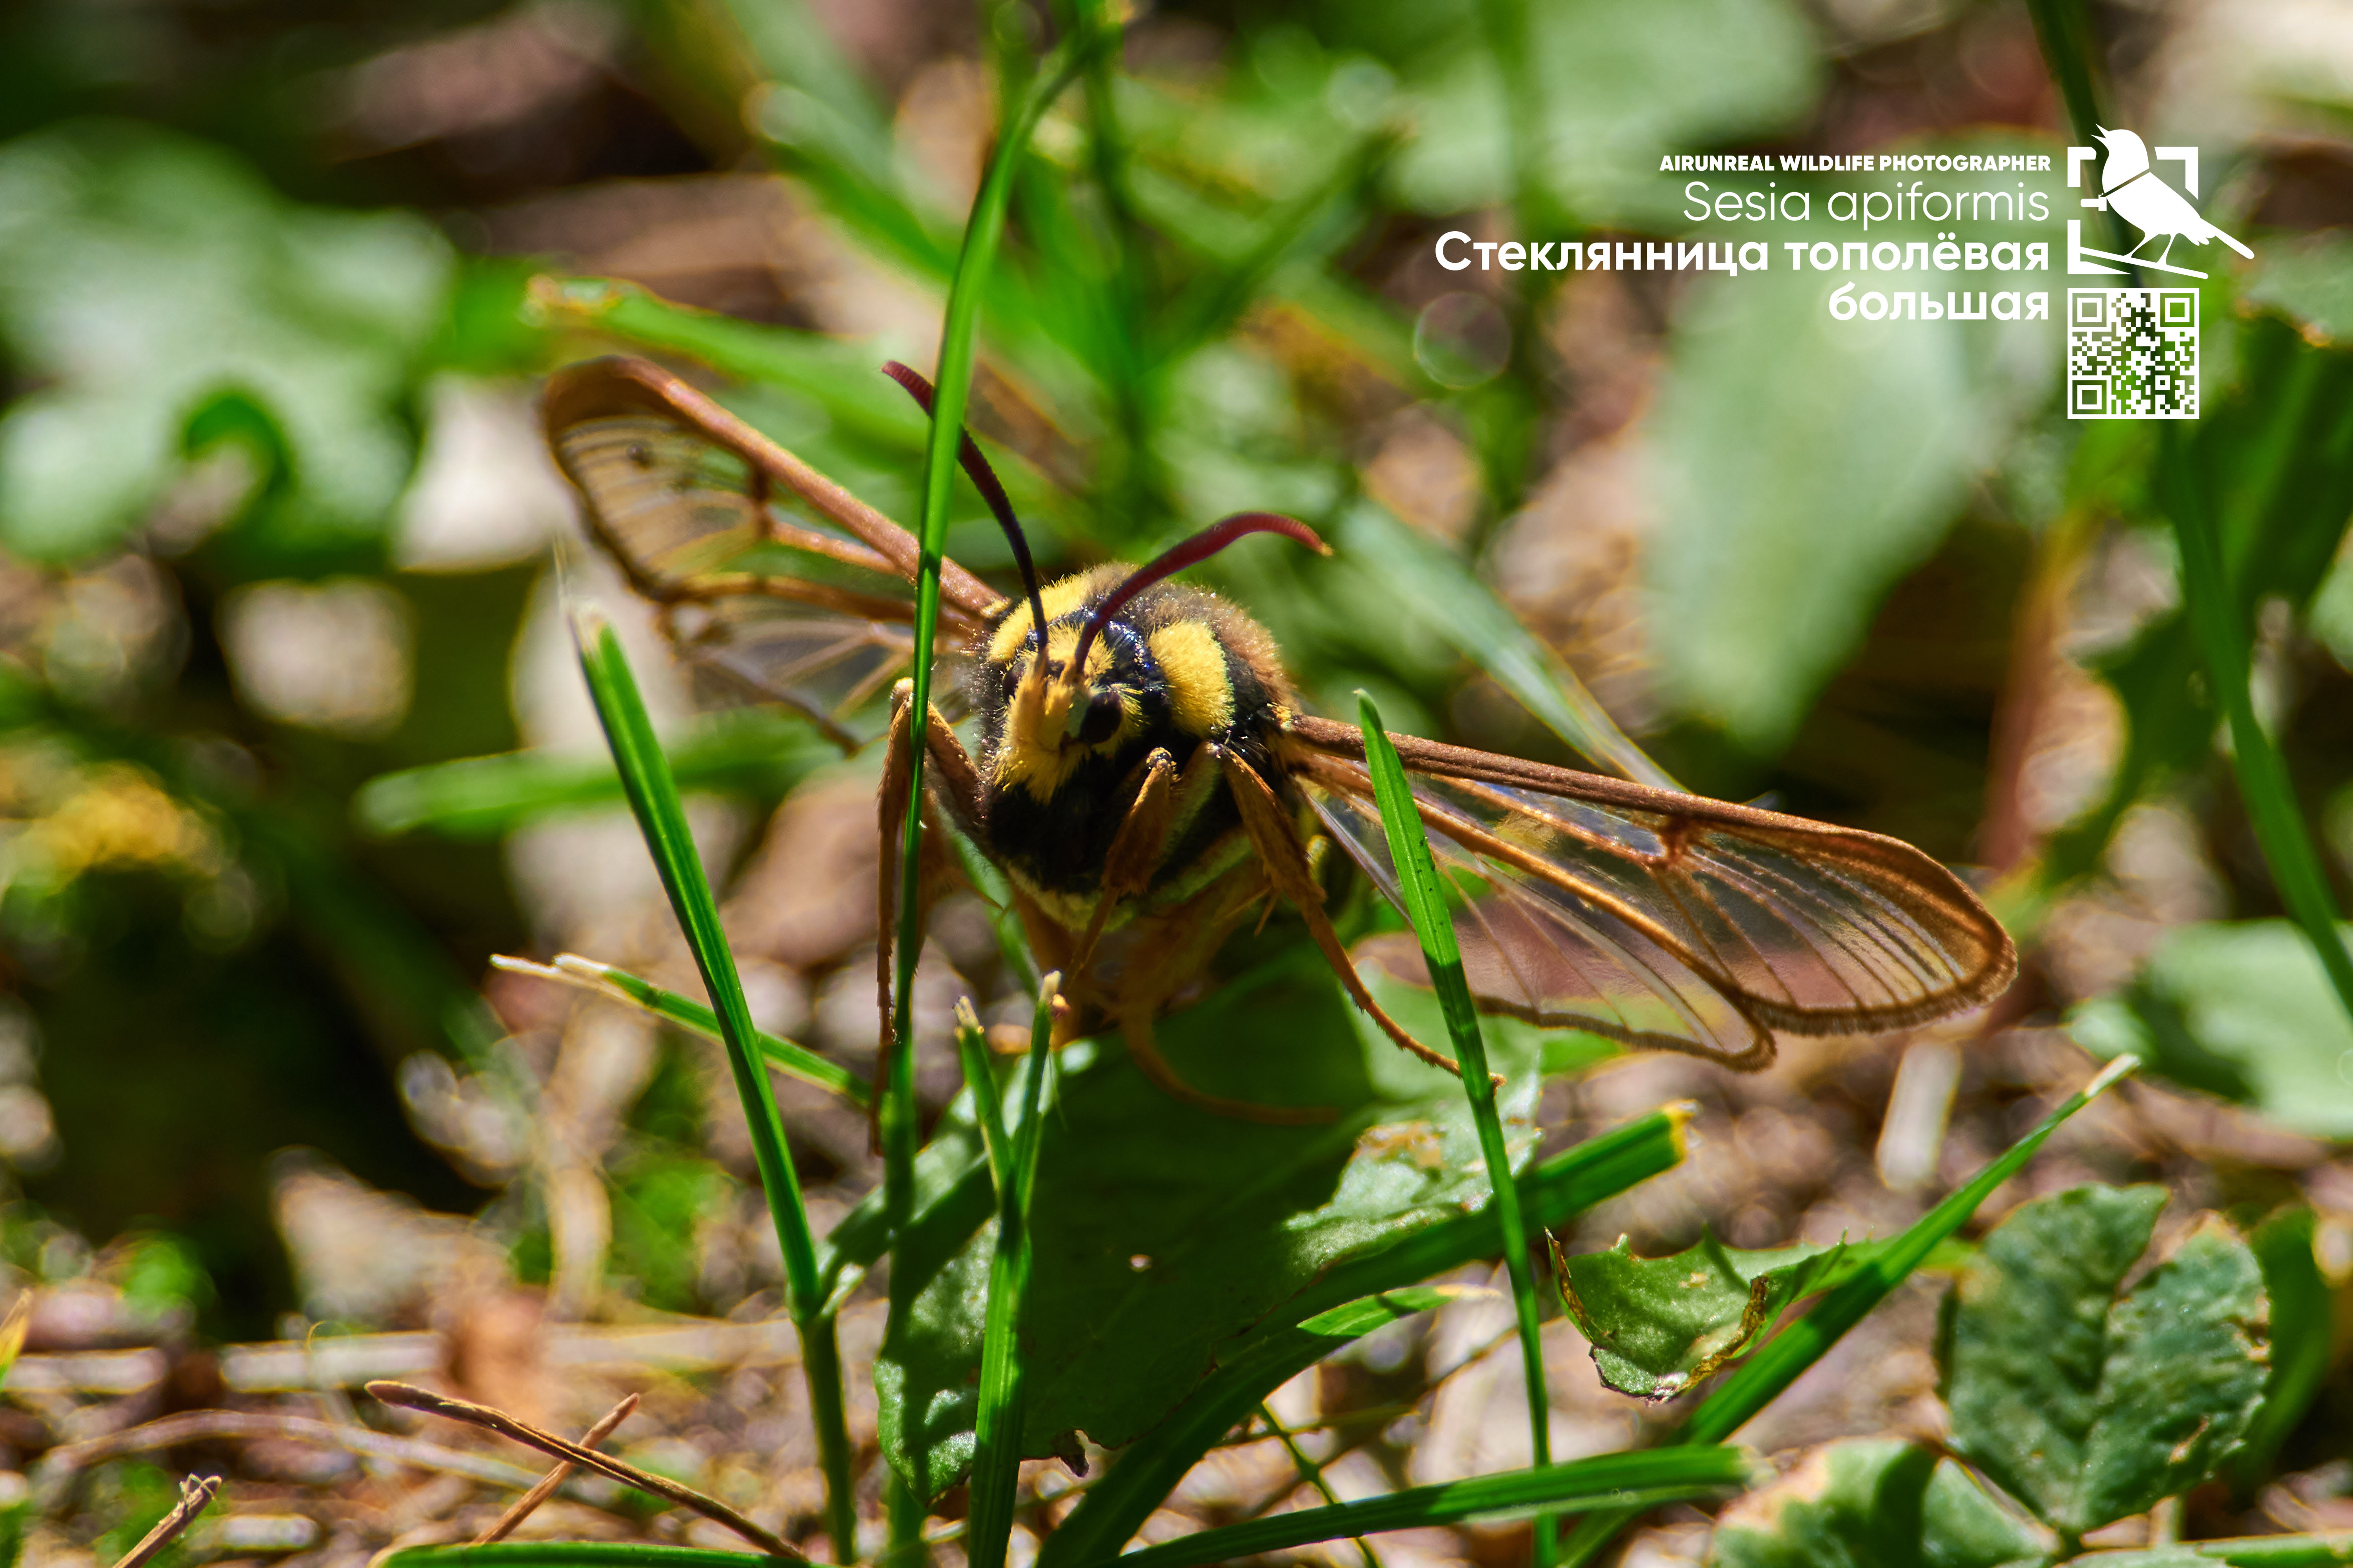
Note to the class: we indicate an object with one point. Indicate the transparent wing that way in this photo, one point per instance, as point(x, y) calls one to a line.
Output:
point(1666, 919)
point(826, 663)
point(813, 611)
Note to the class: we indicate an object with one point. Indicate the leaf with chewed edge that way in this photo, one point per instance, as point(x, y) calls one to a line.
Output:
point(1875, 1503)
point(2087, 1402)
point(1658, 1325)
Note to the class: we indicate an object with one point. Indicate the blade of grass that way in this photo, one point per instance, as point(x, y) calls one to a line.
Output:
point(1635, 1481)
point(988, 1105)
point(996, 1448)
point(12, 1331)
point(1759, 1380)
point(1116, 1507)
point(952, 381)
point(1485, 632)
point(661, 817)
point(2224, 632)
point(1351, 1301)
point(1434, 923)
point(2224, 637)
point(620, 986)
point(1313, 1474)
point(953, 1198)
point(481, 797)
point(1551, 1195)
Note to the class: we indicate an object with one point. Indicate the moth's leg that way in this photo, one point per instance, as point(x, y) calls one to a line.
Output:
point(1165, 803)
point(1135, 848)
point(960, 782)
point(1136, 1023)
point(1285, 859)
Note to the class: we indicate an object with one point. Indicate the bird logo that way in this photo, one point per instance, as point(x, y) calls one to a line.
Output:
point(2131, 185)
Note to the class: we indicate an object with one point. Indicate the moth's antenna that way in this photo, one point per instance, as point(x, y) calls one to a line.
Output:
point(985, 480)
point(1187, 552)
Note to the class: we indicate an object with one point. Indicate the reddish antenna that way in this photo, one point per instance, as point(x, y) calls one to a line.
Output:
point(985, 480)
point(1187, 552)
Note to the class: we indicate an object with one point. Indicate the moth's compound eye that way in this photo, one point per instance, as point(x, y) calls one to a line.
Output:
point(1101, 721)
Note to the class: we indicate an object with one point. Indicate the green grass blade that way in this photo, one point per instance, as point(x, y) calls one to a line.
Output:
point(620, 986)
point(12, 1332)
point(1116, 1507)
point(953, 1198)
point(481, 797)
point(661, 817)
point(2224, 638)
point(1551, 1195)
point(1487, 633)
point(1637, 1480)
point(1434, 923)
point(838, 376)
point(952, 381)
point(1351, 1301)
point(996, 1446)
point(1761, 1378)
point(988, 1105)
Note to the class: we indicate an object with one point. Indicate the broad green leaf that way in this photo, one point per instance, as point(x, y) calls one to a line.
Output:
point(1875, 1503)
point(145, 278)
point(2085, 1402)
point(1658, 1325)
point(2303, 1314)
point(1346, 1302)
point(1762, 1378)
point(1148, 1471)
point(2239, 1009)
point(1620, 83)
point(1161, 1229)
point(2309, 280)
point(952, 1200)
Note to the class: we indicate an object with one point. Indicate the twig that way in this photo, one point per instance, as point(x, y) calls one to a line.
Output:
point(196, 1492)
point(413, 1398)
point(197, 1426)
point(1311, 1473)
point(521, 1507)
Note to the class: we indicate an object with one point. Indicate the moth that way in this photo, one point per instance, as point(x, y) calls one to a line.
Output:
point(1145, 777)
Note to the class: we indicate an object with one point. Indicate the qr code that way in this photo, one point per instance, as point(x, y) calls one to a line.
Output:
point(2132, 353)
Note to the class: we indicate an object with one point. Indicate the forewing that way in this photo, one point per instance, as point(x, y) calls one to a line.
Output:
point(811, 608)
point(1663, 919)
